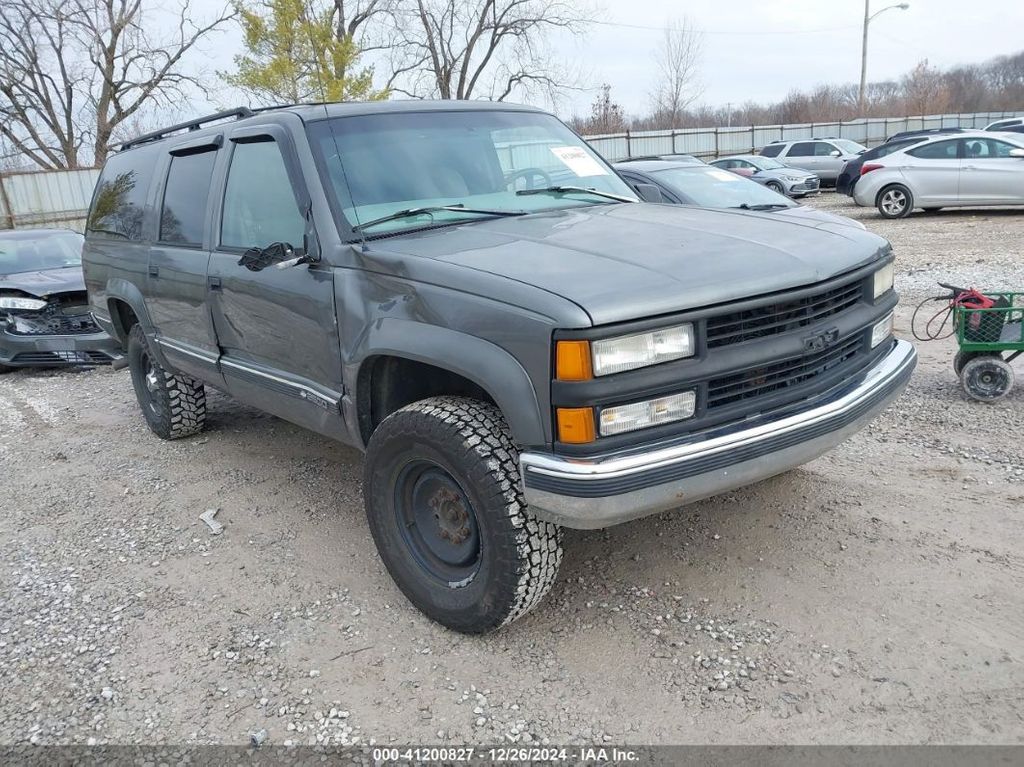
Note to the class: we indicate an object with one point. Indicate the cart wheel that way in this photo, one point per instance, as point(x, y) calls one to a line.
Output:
point(987, 378)
point(962, 358)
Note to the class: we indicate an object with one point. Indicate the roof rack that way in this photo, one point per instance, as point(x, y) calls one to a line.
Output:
point(238, 113)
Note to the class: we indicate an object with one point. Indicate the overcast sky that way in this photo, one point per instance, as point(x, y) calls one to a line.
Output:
point(758, 50)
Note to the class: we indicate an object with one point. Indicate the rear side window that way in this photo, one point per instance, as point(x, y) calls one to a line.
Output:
point(890, 147)
point(185, 197)
point(802, 149)
point(939, 150)
point(821, 149)
point(772, 150)
point(259, 204)
point(120, 198)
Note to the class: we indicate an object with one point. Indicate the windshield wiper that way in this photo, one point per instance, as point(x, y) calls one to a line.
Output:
point(575, 190)
point(764, 206)
point(411, 212)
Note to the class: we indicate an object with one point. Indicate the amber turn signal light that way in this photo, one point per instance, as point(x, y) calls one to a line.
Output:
point(572, 361)
point(576, 425)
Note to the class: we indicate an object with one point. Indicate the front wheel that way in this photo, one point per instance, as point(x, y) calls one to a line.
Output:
point(444, 505)
point(775, 186)
point(895, 201)
point(987, 378)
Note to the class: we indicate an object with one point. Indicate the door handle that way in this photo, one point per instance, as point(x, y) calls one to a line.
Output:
point(154, 270)
point(214, 283)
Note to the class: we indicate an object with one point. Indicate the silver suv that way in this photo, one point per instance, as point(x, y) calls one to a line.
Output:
point(822, 156)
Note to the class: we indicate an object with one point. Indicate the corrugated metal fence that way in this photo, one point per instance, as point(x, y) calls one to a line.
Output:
point(715, 142)
point(50, 198)
point(61, 198)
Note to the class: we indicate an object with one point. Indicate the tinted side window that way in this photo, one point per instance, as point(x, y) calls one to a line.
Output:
point(889, 148)
point(939, 150)
point(822, 149)
point(185, 196)
point(117, 206)
point(801, 149)
point(259, 205)
point(772, 150)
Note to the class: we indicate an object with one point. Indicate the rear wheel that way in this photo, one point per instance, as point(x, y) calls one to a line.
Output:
point(987, 378)
point(895, 201)
point(444, 505)
point(962, 358)
point(174, 405)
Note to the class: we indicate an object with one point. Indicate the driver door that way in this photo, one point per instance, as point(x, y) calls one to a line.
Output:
point(276, 327)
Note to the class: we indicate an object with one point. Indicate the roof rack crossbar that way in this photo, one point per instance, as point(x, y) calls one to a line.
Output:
point(191, 125)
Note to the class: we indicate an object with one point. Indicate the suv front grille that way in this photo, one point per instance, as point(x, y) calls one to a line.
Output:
point(769, 378)
point(782, 316)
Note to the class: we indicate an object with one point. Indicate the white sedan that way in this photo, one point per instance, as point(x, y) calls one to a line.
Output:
point(945, 171)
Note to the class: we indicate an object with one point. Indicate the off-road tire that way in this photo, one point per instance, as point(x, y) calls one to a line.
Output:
point(987, 379)
point(894, 201)
point(173, 405)
point(516, 556)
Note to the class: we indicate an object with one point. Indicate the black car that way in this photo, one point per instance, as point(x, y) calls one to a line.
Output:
point(44, 311)
point(922, 133)
point(851, 171)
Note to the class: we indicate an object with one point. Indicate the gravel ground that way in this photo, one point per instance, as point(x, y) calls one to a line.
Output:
point(875, 595)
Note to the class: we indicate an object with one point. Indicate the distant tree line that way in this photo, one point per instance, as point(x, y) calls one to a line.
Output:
point(995, 85)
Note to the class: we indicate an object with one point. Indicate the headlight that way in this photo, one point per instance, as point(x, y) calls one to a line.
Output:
point(793, 179)
point(18, 302)
point(881, 331)
point(614, 355)
point(640, 415)
point(884, 279)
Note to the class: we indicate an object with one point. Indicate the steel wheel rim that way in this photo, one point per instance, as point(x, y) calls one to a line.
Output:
point(150, 381)
point(438, 523)
point(894, 201)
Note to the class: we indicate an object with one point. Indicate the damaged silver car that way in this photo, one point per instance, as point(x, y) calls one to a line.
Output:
point(44, 314)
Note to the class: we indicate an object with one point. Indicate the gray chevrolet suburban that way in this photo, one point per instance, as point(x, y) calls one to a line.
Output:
point(470, 294)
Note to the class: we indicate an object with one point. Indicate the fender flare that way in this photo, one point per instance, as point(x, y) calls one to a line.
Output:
point(119, 289)
point(487, 365)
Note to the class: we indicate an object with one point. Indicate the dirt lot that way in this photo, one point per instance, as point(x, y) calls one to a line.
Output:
point(873, 596)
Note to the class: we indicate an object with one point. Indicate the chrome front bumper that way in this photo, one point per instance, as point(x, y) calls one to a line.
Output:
point(605, 490)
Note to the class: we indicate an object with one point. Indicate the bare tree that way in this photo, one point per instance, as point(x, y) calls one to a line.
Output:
point(678, 61)
point(72, 72)
point(462, 49)
point(924, 89)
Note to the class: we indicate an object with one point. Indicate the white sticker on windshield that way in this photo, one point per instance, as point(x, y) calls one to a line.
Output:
point(578, 161)
point(723, 175)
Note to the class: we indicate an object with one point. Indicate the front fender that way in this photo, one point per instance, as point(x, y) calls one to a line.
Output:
point(482, 362)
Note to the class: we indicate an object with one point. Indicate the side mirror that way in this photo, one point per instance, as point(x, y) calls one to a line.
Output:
point(649, 193)
point(834, 153)
point(1017, 153)
point(258, 259)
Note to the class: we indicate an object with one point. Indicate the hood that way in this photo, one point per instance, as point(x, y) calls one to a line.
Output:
point(623, 262)
point(787, 171)
point(45, 282)
point(808, 215)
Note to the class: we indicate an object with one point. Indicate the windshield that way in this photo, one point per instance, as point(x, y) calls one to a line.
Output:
point(717, 188)
point(32, 251)
point(849, 147)
point(378, 165)
point(766, 163)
